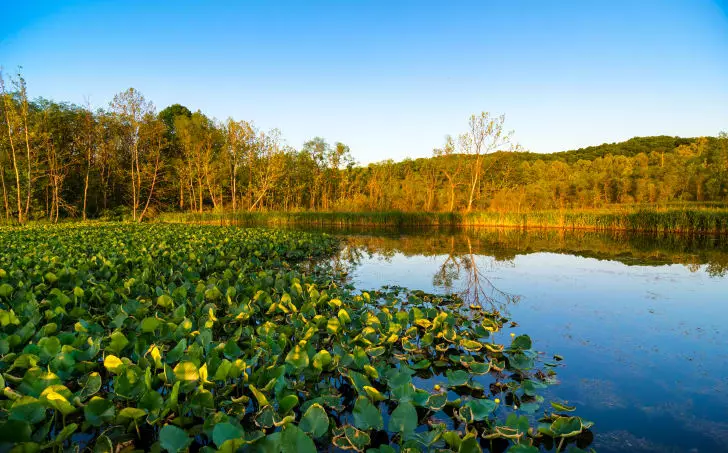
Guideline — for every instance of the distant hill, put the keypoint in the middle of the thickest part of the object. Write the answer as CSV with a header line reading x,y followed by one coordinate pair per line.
x,y
630,148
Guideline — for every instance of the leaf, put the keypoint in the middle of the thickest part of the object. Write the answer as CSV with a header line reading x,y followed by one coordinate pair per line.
x,y
297,358
373,393
315,421
27,409
295,440
186,371
366,415
522,448
321,360
150,324
173,439
470,444
457,378
566,426
5,291
113,364
437,401
333,326
118,342
133,413
262,400
521,342
403,418
224,432
165,301
98,411
480,409
59,402
562,407
15,431
287,403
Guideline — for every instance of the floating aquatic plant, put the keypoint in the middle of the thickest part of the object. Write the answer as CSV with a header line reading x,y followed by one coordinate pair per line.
x,y
179,337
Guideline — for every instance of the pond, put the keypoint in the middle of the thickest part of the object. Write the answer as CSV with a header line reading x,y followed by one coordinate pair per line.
x,y
640,320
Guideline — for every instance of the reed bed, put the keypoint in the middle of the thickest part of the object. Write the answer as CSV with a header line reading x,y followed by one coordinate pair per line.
x,y
673,220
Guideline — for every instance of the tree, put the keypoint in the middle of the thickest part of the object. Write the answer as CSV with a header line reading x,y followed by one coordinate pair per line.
x,y
11,124
452,173
130,108
485,135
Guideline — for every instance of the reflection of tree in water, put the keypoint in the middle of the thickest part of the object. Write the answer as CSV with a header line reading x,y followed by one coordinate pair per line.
x,y
471,268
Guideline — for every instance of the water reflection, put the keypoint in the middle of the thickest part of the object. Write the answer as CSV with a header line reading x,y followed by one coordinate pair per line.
x,y
640,319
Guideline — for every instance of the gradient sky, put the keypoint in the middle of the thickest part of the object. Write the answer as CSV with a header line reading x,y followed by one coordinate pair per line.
x,y
391,78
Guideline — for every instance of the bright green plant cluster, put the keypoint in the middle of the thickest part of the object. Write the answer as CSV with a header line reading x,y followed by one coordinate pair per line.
x,y
171,337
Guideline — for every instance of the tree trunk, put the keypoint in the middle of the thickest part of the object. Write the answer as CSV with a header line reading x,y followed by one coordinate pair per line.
x,y
151,189
85,187
5,195
15,163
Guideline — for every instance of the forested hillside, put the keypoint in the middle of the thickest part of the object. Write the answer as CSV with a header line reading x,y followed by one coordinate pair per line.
x,y
63,160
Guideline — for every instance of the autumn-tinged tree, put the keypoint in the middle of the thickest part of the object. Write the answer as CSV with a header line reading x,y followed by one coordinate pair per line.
x,y
485,135
448,157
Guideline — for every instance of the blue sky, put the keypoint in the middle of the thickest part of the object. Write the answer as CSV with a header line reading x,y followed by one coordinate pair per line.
x,y
391,78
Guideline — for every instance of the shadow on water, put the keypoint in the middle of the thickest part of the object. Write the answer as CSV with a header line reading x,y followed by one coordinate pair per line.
x,y
639,318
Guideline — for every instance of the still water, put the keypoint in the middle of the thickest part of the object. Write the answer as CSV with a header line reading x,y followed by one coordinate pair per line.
x,y
640,320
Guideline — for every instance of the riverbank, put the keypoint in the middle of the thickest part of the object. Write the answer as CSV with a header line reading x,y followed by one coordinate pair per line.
x,y
702,220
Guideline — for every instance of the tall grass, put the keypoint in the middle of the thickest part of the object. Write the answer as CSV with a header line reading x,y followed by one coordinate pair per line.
x,y
704,220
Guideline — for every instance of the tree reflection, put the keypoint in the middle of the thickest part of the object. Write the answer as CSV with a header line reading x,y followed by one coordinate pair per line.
x,y
470,268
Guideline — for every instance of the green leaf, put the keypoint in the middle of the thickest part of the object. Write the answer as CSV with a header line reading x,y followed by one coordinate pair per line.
x,y
366,415
224,432
98,411
403,419
315,421
5,291
521,342
566,426
118,342
15,431
27,409
457,378
287,403
297,358
165,301
173,439
150,324
437,401
470,444
321,360
295,440
59,403
262,400
562,407
480,409
133,413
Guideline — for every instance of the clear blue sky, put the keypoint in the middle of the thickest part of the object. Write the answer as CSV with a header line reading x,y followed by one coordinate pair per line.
x,y
391,78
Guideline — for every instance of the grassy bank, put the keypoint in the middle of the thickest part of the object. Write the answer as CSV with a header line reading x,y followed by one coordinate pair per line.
x,y
703,220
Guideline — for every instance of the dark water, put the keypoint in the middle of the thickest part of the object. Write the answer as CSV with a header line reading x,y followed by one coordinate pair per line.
x,y
641,321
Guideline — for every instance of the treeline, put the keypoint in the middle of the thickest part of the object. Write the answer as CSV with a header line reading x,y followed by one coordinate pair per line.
x,y
63,160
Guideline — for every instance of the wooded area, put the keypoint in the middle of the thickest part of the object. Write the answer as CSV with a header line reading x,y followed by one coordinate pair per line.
x,y
63,160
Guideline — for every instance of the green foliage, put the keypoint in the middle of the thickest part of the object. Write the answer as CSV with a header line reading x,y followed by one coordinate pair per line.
x,y
125,346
